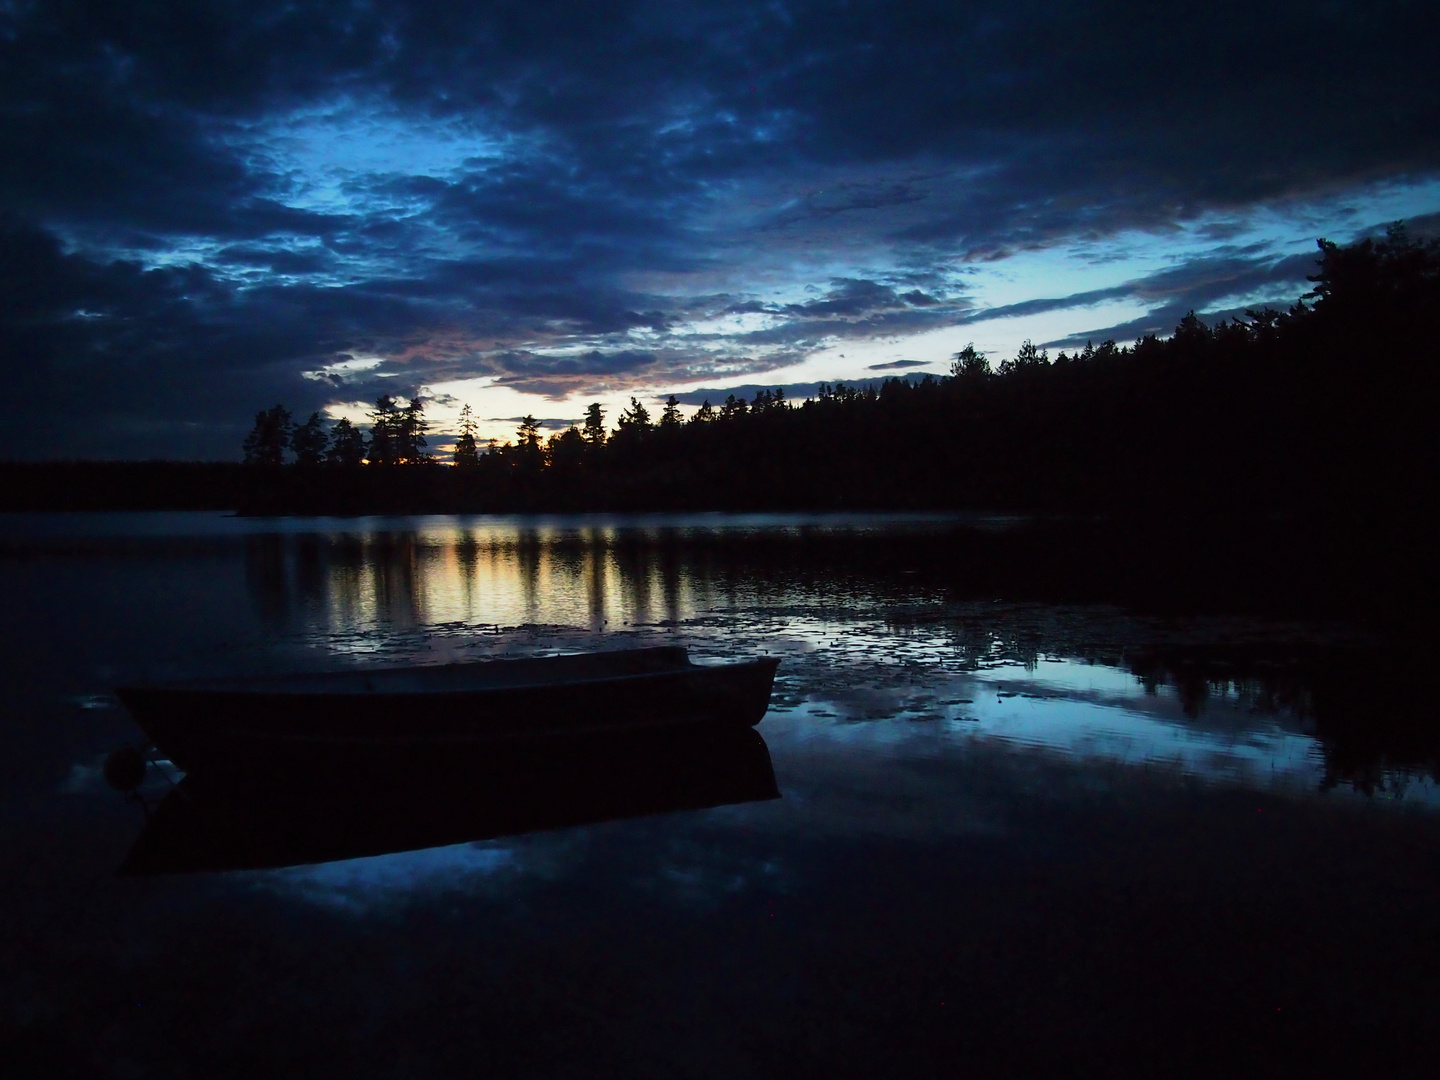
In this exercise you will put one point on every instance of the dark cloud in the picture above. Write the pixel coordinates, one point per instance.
(189, 228)
(297, 262)
(1424, 226)
(1159, 322)
(1040, 305)
(557, 377)
(1198, 286)
(1195, 285)
(1200, 282)
(593, 364)
(848, 297)
(850, 308)
(896, 365)
(141, 359)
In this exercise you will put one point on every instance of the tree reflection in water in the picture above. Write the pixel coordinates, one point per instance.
(859, 592)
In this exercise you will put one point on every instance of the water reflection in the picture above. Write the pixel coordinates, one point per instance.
(447, 800)
(873, 628)
(507, 572)
(1371, 714)
(981, 834)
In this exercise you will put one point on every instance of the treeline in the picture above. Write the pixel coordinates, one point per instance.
(1328, 406)
(397, 437)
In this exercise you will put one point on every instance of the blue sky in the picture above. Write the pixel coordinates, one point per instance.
(206, 208)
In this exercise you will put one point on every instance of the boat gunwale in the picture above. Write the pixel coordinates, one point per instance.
(463, 739)
(258, 688)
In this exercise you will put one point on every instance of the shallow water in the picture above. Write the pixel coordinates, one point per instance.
(1026, 814)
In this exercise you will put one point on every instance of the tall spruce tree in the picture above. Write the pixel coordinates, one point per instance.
(528, 450)
(385, 431)
(636, 419)
(410, 436)
(347, 445)
(670, 418)
(594, 429)
(308, 441)
(466, 453)
(969, 364)
(266, 443)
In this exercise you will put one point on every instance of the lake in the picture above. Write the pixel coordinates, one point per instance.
(1012, 834)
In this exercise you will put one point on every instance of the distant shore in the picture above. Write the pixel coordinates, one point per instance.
(1363, 568)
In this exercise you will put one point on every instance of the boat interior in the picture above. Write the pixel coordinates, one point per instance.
(453, 678)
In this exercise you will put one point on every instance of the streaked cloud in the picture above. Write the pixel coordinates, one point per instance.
(208, 208)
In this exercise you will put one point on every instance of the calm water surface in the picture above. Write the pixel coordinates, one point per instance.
(1010, 834)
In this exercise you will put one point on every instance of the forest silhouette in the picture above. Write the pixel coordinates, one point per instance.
(1324, 407)
(1280, 461)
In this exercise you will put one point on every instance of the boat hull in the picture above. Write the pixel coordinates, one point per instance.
(209, 823)
(304, 723)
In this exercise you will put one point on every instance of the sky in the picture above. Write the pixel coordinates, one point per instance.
(207, 208)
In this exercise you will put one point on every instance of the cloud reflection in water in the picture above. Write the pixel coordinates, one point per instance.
(865, 638)
(382, 883)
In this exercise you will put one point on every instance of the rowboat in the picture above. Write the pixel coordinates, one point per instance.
(335, 720)
(210, 823)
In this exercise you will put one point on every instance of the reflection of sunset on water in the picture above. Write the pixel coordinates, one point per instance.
(494, 576)
(498, 572)
(974, 787)
(878, 645)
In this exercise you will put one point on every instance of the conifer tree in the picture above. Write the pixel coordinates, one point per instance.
(347, 445)
(565, 449)
(636, 419)
(969, 364)
(1027, 359)
(308, 441)
(594, 430)
(466, 453)
(529, 432)
(527, 446)
(385, 432)
(670, 418)
(412, 429)
(266, 443)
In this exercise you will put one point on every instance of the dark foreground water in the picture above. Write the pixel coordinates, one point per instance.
(1012, 838)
